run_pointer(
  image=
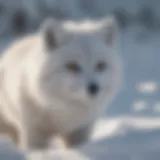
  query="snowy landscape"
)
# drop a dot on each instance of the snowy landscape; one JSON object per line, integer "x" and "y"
{"x": 130, "y": 128}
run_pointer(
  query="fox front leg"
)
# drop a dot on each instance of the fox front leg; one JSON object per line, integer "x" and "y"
{"x": 78, "y": 137}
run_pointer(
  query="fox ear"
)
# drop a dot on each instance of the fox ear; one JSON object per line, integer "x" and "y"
{"x": 48, "y": 33}
{"x": 110, "y": 30}
{"x": 53, "y": 34}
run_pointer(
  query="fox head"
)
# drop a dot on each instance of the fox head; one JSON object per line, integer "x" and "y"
{"x": 81, "y": 62}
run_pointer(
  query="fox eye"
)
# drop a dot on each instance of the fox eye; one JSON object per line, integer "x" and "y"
{"x": 101, "y": 66}
{"x": 73, "y": 67}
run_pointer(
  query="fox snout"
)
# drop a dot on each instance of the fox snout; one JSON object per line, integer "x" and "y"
{"x": 93, "y": 89}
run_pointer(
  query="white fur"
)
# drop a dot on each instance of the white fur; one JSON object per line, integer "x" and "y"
{"x": 40, "y": 96}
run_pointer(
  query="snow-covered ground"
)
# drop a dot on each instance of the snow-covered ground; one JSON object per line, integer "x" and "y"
{"x": 130, "y": 128}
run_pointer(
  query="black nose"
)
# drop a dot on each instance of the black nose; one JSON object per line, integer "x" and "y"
{"x": 93, "y": 88}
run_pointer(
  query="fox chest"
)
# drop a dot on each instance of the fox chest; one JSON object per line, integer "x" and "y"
{"x": 68, "y": 120}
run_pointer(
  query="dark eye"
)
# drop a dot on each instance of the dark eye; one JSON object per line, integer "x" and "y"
{"x": 73, "y": 67}
{"x": 101, "y": 66}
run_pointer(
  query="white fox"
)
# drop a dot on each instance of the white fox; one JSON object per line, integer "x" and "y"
{"x": 58, "y": 81}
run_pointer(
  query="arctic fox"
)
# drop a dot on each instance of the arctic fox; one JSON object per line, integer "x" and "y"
{"x": 58, "y": 81}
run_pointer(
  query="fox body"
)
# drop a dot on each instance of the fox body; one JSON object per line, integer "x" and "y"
{"x": 58, "y": 81}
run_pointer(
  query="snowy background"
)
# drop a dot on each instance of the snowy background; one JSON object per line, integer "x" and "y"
{"x": 130, "y": 129}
